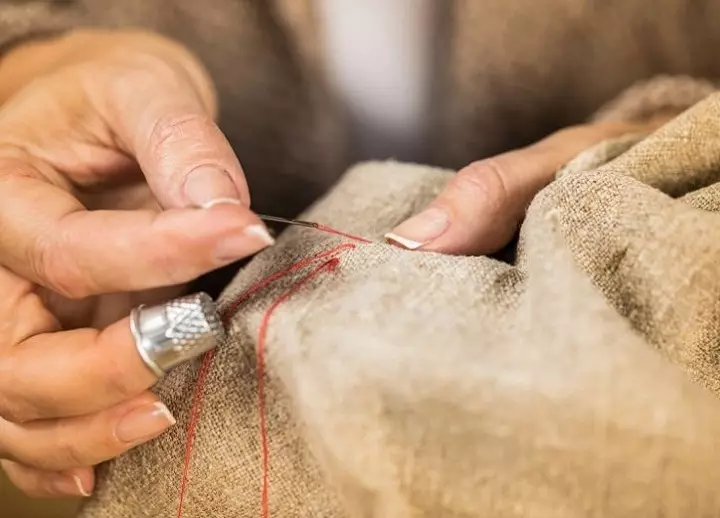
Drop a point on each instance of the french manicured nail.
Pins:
(79, 485)
(207, 186)
(68, 485)
(421, 229)
(250, 241)
(144, 423)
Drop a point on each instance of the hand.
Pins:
(114, 179)
(482, 207)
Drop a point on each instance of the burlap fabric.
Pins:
(419, 385)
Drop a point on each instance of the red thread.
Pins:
(206, 365)
(192, 425)
(232, 308)
(330, 230)
(262, 335)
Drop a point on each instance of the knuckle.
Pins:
(11, 449)
(119, 385)
(171, 129)
(52, 266)
(71, 452)
(484, 181)
(16, 413)
(108, 373)
(38, 259)
(167, 267)
(14, 164)
(11, 409)
(11, 413)
(85, 442)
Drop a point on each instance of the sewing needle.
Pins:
(310, 224)
(296, 222)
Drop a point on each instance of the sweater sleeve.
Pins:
(656, 96)
(24, 19)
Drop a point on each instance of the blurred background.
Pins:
(14, 505)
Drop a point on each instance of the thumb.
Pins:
(481, 208)
(478, 211)
(160, 109)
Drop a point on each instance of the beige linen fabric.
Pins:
(579, 382)
(420, 385)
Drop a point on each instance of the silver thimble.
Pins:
(179, 330)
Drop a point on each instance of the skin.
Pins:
(122, 123)
(482, 207)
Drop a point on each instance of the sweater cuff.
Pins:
(657, 96)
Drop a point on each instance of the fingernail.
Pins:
(251, 240)
(68, 485)
(420, 230)
(144, 423)
(80, 488)
(207, 186)
(220, 201)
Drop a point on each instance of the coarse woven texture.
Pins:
(580, 382)
(645, 99)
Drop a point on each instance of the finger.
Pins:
(71, 373)
(62, 444)
(481, 207)
(38, 483)
(23, 312)
(162, 117)
(49, 238)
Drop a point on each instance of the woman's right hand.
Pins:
(116, 188)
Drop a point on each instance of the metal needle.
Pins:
(285, 221)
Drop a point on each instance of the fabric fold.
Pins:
(580, 381)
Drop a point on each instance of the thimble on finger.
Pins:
(176, 331)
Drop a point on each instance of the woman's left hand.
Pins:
(481, 208)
